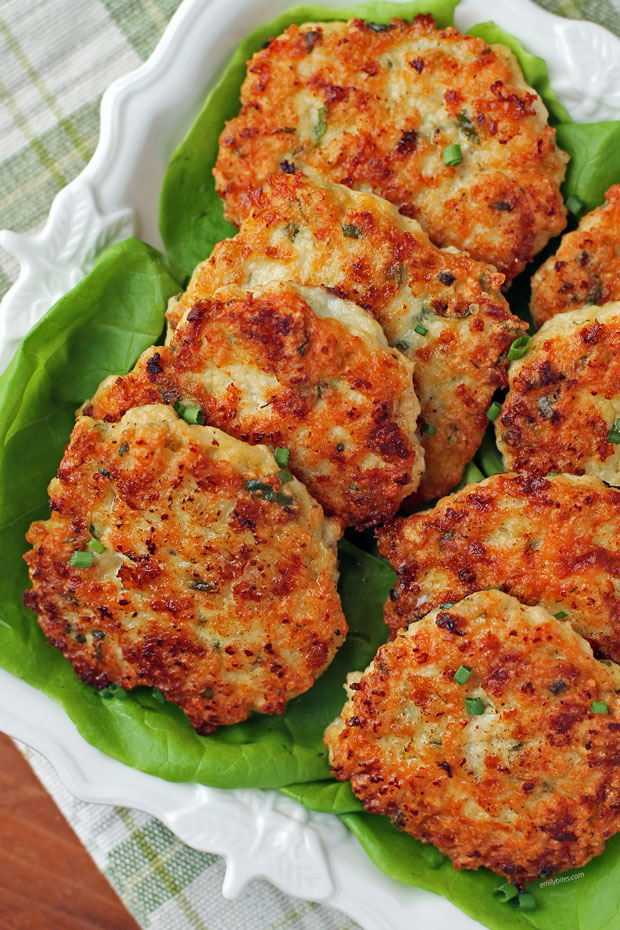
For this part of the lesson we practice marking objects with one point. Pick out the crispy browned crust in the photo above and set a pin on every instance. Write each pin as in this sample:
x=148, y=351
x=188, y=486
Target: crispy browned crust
x=564, y=398
x=391, y=101
x=169, y=503
x=530, y=787
x=343, y=405
x=586, y=267
x=296, y=231
x=548, y=541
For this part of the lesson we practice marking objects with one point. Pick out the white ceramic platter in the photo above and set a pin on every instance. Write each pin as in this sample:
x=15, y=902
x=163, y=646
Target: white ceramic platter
x=143, y=117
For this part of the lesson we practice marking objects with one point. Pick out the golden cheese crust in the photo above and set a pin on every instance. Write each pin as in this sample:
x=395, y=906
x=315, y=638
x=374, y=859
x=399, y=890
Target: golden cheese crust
x=528, y=786
x=217, y=584
x=442, y=309
x=586, y=267
x=375, y=109
x=564, y=398
x=548, y=541
x=297, y=368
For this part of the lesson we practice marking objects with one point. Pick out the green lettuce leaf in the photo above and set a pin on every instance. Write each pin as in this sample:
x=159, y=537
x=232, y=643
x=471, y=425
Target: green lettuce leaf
x=191, y=217
x=594, y=150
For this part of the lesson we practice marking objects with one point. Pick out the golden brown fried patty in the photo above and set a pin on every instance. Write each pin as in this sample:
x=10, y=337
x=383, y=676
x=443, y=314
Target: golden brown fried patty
x=553, y=542
x=530, y=783
x=442, y=309
x=586, y=267
x=564, y=398
x=295, y=368
x=217, y=584
x=375, y=110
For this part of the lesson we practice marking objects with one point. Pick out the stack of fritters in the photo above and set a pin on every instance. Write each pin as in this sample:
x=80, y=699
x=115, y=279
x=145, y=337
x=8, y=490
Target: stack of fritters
x=334, y=361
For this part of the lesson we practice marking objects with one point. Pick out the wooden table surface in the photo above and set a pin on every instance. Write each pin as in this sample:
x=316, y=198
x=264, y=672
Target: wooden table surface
x=47, y=879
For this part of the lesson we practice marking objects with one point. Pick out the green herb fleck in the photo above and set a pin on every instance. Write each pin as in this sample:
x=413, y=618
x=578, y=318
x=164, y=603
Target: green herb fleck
x=401, y=345
x=321, y=127
x=474, y=706
x=506, y=892
x=113, y=690
x=123, y=449
x=194, y=415
x=518, y=348
x=282, y=456
x=291, y=230
x=285, y=476
x=340, y=447
x=599, y=707
x=561, y=614
x=494, y=411
x=95, y=546
x=452, y=155
x=574, y=204
x=351, y=231
x=81, y=559
x=429, y=429
x=467, y=127
x=462, y=674
x=379, y=27
x=266, y=492
x=201, y=585
x=302, y=348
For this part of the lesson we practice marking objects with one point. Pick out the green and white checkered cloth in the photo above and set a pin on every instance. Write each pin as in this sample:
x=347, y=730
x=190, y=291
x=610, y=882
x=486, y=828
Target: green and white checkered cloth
x=58, y=56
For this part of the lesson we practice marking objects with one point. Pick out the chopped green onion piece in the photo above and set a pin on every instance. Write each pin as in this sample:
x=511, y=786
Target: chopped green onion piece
x=452, y=155
x=285, y=476
x=351, y=231
x=462, y=674
x=599, y=707
x=526, y=901
x=95, y=546
x=518, y=348
x=321, y=127
x=552, y=474
x=282, y=456
x=420, y=330
x=574, y=204
x=429, y=429
x=401, y=345
x=494, y=411
x=178, y=408
x=474, y=706
x=193, y=414
x=113, y=690
x=506, y=891
x=81, y=559
x=561, y=614
x=613, y=436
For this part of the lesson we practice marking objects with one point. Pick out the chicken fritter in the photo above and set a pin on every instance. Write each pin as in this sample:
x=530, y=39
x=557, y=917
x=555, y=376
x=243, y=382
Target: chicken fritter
x=176, y=557
x=551, y=541
x=442, y=309
x=439, y=123
x=586, y=267
x=562, y=411
x=300, y=370
x=490, y=730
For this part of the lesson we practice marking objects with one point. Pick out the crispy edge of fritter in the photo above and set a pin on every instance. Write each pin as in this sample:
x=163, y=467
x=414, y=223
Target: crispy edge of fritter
x=586, y=267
